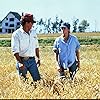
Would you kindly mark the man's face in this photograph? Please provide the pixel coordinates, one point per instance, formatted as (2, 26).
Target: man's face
(29, 25)
(65, 30)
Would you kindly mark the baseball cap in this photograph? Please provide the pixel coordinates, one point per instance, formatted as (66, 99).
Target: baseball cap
(65, 25)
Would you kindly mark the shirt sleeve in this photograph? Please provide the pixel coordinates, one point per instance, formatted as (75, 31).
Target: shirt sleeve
(37, 43)
(77, 44)
(55, 45)
(15, 43)
(34, 35)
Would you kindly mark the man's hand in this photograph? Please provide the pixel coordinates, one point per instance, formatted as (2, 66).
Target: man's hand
(38, 62)
(21, 66)
(78, 64)
(56, 51)
(60, 69)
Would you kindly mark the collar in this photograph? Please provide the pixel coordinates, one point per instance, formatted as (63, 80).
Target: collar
(62, 39)
(22, 31)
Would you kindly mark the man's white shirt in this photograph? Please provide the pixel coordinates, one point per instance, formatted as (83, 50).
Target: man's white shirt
(24, 43)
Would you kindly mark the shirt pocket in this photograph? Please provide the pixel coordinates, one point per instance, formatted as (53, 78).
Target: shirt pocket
(24, 43)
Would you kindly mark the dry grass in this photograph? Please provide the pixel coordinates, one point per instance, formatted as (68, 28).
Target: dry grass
(51, 35)
(80, 35)
(85, 85)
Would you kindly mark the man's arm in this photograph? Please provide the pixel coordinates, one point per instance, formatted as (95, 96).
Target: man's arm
(78, 57)
(38, 56)
(15, 46)
(21, 65)
(18, 57)
(56, 53)
(57, 60)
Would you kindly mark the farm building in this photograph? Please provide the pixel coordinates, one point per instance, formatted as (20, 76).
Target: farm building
(10, 23)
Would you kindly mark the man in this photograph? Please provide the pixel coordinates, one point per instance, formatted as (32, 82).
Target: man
(66, 48)
(25, 47)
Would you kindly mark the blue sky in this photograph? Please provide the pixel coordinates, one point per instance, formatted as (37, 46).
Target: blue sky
(65, 9)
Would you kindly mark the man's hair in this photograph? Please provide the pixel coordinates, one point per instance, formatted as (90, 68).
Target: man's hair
(66, 25)
(27, 18)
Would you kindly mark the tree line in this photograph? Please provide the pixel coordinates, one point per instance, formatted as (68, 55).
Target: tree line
(49, 26)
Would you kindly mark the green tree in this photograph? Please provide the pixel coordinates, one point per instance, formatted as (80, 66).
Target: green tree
(83, 26)
(59, 26)
(48, 26)
(56, 25)
(40, 24)
(75, 22)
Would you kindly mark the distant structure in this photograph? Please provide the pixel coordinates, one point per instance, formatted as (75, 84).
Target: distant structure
(10, 23)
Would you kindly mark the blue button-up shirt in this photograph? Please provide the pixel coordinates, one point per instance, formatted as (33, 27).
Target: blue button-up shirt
(67, 50)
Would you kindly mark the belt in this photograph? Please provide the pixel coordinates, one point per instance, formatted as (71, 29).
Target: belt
(26, 58)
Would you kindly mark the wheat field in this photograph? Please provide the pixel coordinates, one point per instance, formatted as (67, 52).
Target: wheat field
(86, 84)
